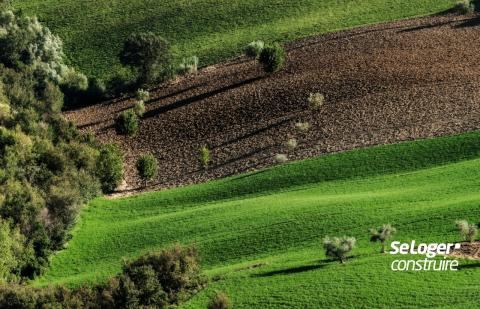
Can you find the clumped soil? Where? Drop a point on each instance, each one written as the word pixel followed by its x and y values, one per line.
pixel 468 250
pixel 384 83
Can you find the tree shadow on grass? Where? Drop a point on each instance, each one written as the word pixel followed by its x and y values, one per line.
pixel 469 266
pixel 291 270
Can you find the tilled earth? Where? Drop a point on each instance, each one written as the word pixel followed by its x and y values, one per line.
pixel 385 83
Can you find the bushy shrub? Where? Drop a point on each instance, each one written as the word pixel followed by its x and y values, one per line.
pixel 291 144
pixel 468 231
pixel 110 167
pixel 148 54
pixel 302 127
pixel 127 123
pixel 316 100
pixel 281 158
pixel 156 280
pixel 166 277
pixel 339 247
pixel 205 156
pixel 382 234
pixel 464 7
pixel 142 95
pixel 272 58
pixel 189 65
pixel 219 301
pixel 254 49
pixel 147 167
pixel 139 108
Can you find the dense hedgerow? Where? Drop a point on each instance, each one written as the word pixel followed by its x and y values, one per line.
pixel 157 280
pixel 48 170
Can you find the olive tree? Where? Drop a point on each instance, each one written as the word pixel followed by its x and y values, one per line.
pixel 468 231
pixel 382 234
pixel 339 247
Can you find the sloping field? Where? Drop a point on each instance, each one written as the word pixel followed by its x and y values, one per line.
pixel 94 30
pixel 385 83
pixel 260 234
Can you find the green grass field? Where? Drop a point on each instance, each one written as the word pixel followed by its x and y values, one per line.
pixel 93 30
pixel 276 218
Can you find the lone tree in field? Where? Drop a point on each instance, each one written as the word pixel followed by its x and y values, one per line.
pixel 468 231
pixel 339 247
pixel 147 167
pixel 148 54
pixel 382 234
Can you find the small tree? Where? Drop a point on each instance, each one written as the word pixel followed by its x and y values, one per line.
pixel 189 65
pixel 142 95
pixel 205 157
pixel 219 301
pixel 464 7
pixel 110 168
pixel 254 49
pixel 147 53
pixel 147 167
pixel 291 144
pixel 302 127
pixel 468 231
pixel 281 158
pixel 382 234
pixel 139 108
pixel 316 100
pixel 272 58
pixel 339 247
pixel 127 123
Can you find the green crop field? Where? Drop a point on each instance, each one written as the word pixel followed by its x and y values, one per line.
pixel 259 234
pixel 93 30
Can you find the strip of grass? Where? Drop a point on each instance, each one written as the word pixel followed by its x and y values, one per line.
pixel 93 30
pixel 276 219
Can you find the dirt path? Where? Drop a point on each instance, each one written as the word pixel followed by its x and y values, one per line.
pixel 385 83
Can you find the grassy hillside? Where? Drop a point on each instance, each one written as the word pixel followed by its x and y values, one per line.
pixel 275 219
pixel 93 30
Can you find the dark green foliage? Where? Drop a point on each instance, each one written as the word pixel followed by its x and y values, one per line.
pixel 272 58
pixel 127 123
pixel 110 167
pixel 147 167
pixel 219 301
pixel 47 169
pixel 147 53
pixel 464 7
pixel 156 280
pixel 254 49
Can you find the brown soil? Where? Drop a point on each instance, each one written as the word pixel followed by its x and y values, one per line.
pixel 384 83
pixel 468 250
